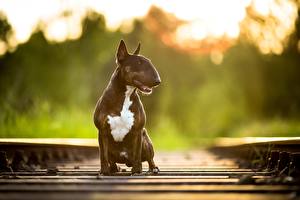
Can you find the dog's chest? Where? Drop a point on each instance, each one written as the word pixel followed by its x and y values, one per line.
pixel 121 125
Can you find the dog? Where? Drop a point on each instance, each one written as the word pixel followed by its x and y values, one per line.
pixel 120 117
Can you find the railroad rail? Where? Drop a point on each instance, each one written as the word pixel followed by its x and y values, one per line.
pixel 231 169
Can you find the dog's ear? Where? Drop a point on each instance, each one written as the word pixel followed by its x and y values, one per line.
pixel 137 51
pixel 122 52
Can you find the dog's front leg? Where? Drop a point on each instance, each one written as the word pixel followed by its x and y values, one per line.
pixel 137 153
pixel 103 143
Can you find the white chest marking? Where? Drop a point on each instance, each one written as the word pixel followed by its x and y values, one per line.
pixel 121 125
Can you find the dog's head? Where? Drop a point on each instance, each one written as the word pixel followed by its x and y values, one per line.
pixel 136 70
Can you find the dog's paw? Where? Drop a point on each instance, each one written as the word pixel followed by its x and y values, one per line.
pixel 115 168
pixel 137 174
pixel 136 171
pixel 104 172
pixel 154 170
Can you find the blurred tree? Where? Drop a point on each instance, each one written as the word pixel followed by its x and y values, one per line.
pixel 196 97
pixel 5 28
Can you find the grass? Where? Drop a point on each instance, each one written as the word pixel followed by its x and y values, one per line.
pixel 76 123
pixel 269 128
pixel 65 123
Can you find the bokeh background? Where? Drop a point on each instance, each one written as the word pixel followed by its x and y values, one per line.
pixel 228 68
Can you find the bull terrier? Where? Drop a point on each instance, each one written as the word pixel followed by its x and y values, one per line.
pixel 120 116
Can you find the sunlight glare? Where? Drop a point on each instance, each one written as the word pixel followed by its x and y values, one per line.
pixel 269 24
pixel 262 7
pixel 210 18
pixel 117 12
pixel 213 23
pixel 3 47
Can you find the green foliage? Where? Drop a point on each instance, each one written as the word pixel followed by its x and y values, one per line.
pixel 50 89
pixel 269 128
pixel 42 122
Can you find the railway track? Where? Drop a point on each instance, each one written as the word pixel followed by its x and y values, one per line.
pixel 68 169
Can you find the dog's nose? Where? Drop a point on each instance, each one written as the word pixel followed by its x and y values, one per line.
pixel 157 81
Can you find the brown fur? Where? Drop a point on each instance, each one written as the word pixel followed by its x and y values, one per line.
pixel 137 71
